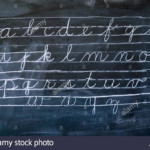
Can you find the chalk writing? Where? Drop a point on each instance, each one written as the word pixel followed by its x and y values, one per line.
pixel 74 64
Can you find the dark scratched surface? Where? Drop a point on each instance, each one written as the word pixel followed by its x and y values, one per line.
pixel 72 120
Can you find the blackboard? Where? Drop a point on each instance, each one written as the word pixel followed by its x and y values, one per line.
pixel 74 67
